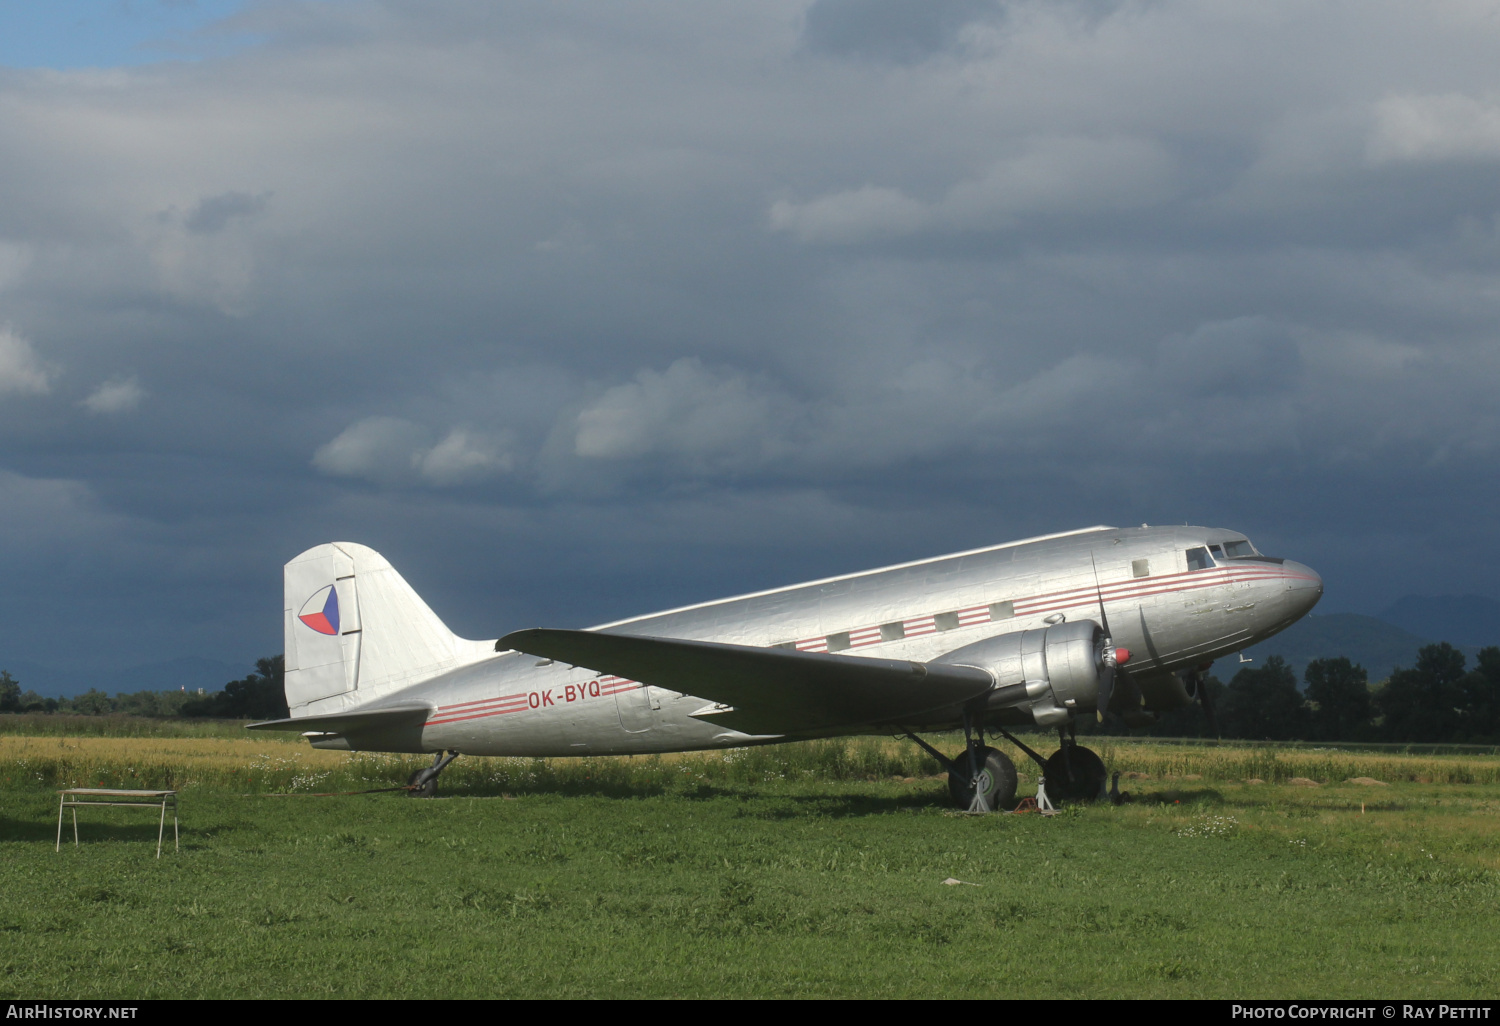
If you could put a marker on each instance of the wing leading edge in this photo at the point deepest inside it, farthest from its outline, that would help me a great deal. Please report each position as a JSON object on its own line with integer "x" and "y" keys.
{"x": 771, "y": 690}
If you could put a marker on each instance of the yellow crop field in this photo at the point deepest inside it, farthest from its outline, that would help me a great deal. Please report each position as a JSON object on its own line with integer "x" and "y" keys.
{"x": 258, "y": 763}
{"x": 253, "y": 763}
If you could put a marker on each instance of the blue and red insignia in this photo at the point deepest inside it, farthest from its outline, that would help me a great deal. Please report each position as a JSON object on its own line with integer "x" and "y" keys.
{"x": 321, "y": 612}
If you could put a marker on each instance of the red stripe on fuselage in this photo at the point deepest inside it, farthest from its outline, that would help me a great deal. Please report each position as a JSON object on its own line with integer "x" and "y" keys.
{"x": 484, "y": 701}
{"x": 1068, "y": 598}
{"x": 481, "y": 708}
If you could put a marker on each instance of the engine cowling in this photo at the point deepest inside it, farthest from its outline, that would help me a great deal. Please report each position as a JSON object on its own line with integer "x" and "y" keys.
{"x": 1054, "y": 671}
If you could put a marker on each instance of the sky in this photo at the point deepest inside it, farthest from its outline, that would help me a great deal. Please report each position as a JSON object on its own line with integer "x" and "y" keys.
{"x": 66, "y": 34}
{"x": 579, "y": 310}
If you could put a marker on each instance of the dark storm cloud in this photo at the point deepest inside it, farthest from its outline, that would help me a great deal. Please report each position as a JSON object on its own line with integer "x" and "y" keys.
{"x": 902, "y": 30}
{"x": 574, "y": 310}
{"x": 212, "y": 213}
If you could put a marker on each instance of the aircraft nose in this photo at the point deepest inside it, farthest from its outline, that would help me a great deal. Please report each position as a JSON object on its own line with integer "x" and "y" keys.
{"x": 1303, "y": 588}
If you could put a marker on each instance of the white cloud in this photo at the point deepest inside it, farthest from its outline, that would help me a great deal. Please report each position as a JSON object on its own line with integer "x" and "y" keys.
{"x": 463, "y": 457}
{"x": 20, "y": 369}
{"x": 1444, "y": 127}
{"x": 121, "y": 395}
{"x": 1064, "y": 175}
{"x": 379, "y": 449}
{"x": 704, "y": 416}
{"x": 214, "y": 270}
{"x": 1071, "y": 176}
{"x": 856, "y": 215}
{"x": 392, "y": 451}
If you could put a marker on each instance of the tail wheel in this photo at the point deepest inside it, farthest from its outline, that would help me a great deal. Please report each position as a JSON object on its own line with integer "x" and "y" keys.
{"x": 423, "y": 784}
{"x": 1075, "y": 774}
{"x": 997, "y": 780}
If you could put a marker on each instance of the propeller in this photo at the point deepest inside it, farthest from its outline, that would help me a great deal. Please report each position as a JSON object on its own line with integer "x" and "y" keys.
{"x": 1208, "y": 705}
{"x": 1107, "y": 684}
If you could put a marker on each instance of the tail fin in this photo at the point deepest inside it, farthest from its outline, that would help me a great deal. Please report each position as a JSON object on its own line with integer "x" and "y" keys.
{"x": 355, "y": 628}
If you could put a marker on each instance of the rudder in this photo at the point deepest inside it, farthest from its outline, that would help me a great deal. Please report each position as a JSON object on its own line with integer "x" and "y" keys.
{"x": 355, "y": 629}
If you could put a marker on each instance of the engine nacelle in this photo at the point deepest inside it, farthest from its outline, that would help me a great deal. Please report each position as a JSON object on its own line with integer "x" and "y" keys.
{"x": 1054, "y": 671}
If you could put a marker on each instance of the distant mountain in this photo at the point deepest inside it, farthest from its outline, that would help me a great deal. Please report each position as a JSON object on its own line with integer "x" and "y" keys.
{"x": 1376, "y": 645}
{"x": 191, "y": 672}
{"x": 1468, "y": 621}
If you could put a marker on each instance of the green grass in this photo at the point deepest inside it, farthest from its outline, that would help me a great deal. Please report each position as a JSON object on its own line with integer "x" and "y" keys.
{"x": 783, "y": 871}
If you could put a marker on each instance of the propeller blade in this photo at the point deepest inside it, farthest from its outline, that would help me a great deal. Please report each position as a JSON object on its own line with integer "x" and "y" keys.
{"x": 1208, "y": 705}
{"x": 1099, "y": 594}
{"x": 1107, "y": 685}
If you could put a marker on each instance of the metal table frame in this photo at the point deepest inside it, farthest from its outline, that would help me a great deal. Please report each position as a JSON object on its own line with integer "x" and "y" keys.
{"x": 71, "y": 798}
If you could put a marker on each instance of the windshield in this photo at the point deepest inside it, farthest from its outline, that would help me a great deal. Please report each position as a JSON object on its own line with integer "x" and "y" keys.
{"x": 1239, "y": 549}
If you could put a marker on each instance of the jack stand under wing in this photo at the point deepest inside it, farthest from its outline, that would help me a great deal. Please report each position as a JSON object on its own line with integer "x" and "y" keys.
{"x": 1043, "y": 803}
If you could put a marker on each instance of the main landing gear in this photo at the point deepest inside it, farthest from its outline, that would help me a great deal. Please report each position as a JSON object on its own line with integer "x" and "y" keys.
{"x": 423, "y": 783}
{"x": 992, "y": 789}
{"x": 1074, "y": 773}
{"x": 983, "y": 779}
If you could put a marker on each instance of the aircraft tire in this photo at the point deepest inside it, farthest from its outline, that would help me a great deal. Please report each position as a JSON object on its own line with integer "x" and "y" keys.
{"x": 425, "y": 782}
{"x": 997, "y": 775}
{"x": 1087, "y": 781}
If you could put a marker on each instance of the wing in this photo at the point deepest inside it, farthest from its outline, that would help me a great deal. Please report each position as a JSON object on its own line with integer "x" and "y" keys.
{"x": 771, "y": 690}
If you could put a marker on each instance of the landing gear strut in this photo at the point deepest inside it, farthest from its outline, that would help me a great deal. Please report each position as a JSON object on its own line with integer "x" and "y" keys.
{"x": 1073, "y": 772}
{"x": 423, "y": 782}
{"x": 981, "y": 778}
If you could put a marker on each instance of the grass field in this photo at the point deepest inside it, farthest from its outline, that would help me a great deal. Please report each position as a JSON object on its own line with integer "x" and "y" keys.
{"x": 801, "y": 870}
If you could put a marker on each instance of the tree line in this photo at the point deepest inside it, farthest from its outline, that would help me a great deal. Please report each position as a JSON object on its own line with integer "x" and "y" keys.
{"x": 1437, "y": 700}
{"x": 257, "y": 696}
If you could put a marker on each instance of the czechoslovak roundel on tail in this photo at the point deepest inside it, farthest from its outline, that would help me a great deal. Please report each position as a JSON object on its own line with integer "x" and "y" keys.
{"x": 321, "y": 612}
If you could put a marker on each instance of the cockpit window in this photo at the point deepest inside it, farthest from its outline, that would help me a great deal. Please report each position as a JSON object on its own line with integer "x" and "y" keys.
{"x": 1217, "y": 551}
{"x": 1239, "y": 549}
{"x": 1197, "y": 559}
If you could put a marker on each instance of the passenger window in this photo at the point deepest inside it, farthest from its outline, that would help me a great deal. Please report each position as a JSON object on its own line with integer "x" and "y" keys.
{"x": 945, "y": 621}
{"x": 1140, "y": 567}
{"x": 1002, "y": 610}
{"x": 1197, "y": 559}
{"x": 838, "y": 642}
{"x": 892, "y": 631}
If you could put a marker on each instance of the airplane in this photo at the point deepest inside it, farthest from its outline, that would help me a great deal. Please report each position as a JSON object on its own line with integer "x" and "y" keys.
{"x": 1042, "y": 632}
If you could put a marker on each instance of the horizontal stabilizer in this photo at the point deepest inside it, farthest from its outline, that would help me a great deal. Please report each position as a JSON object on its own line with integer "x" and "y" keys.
{"x": 353, "y": 721}
{"x": 772, "y": 690}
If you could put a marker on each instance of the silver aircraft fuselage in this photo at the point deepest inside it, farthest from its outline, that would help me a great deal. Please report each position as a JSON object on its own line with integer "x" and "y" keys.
{"x": 1173, "y": 596}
